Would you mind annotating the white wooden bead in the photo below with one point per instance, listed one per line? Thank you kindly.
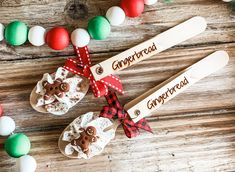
(1, 31)
(227, 0)
(150, 2)
(115, 16)
(26, 163)
(7, 125)
(36, 35)
(80, 37)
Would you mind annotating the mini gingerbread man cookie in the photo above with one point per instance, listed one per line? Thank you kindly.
(58, 88)
(86, 137)
(90, 130)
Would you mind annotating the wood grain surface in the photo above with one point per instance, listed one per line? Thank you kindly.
(193, 132)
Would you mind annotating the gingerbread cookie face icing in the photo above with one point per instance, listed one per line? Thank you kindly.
(58, 92)
(85, 136)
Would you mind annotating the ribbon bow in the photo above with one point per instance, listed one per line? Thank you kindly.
(81, 66)
(115, 110)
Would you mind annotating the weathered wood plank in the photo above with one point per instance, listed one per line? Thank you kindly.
(193, 132)
(214, 133)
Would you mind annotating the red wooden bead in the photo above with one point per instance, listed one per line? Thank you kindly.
(1, 110)
(132, 8)
(57, 38)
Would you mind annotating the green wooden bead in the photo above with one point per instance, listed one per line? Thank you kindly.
(168, 1)
(16, 33)
(99, 28)
(233, 5)
(17, 145)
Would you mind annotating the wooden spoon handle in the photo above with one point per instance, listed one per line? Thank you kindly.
(159, 95)
(157, 44)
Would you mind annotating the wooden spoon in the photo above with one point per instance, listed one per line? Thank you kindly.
(138, 108)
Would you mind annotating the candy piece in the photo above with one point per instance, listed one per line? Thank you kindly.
(1, 31)
(7, 125)
(57, 38)
(132, 8)
(150, 2)
(36, 35)
(16, 33)
(115, 15)
(26, 163)
(99, 28)
(17, 145)
(80, 37)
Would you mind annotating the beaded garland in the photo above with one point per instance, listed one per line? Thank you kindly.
(16, 145)
(17, 33)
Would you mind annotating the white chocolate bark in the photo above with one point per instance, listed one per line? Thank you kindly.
(84, 121)
(56, 105)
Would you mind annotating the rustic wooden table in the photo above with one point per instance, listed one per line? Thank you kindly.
(193, 132)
